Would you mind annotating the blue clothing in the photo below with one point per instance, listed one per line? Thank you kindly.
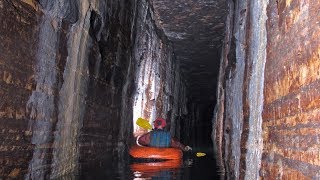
(160, 138)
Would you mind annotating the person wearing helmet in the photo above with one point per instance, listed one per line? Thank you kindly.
(160, 138)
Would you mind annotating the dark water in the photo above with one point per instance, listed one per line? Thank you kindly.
(190, 167)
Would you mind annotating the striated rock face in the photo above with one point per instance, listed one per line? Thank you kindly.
(237, 122)
(70, 72)
(160, 92)
(291, 93)
(266, 119)
(18, 37)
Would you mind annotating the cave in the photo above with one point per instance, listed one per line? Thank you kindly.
(237, 80)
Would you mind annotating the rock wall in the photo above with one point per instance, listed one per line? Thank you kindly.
(72, 73)
(18, 35)
(265, 123)
(291, 93)
(160, 91)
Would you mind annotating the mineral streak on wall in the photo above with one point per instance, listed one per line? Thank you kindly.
(239, 101)
(275, 117)
(158, 82)
(60, 86)
(73, 89)
(219, 121)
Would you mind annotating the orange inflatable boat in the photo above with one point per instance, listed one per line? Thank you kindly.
(155, 153)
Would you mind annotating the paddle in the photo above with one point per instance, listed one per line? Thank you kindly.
(146, 125)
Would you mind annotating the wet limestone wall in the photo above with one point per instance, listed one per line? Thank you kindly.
(291, 93)
(266, 118)
(69, 76)
(18, 31)
(107, 124)
(160, 91)
(49, 65)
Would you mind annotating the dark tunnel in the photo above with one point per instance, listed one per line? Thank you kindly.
(237, 81)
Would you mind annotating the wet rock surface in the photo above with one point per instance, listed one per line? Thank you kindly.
(160, 90)
(74, 75)
(18, 31)
(291, 103)
(69, 79)
(268, 129)
(65, 88)
(196, 29)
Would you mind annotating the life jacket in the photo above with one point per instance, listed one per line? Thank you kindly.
(160, 138)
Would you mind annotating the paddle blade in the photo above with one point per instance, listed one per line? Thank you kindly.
(144, 123)
(200, 154)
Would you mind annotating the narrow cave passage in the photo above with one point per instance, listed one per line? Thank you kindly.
(236, 79)
(77, 74)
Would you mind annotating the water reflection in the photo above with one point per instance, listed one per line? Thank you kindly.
(155, 170)
(188, 168)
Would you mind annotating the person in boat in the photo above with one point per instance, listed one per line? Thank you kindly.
(160, 138)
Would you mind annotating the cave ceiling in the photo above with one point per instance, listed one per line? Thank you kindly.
(196, 30)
